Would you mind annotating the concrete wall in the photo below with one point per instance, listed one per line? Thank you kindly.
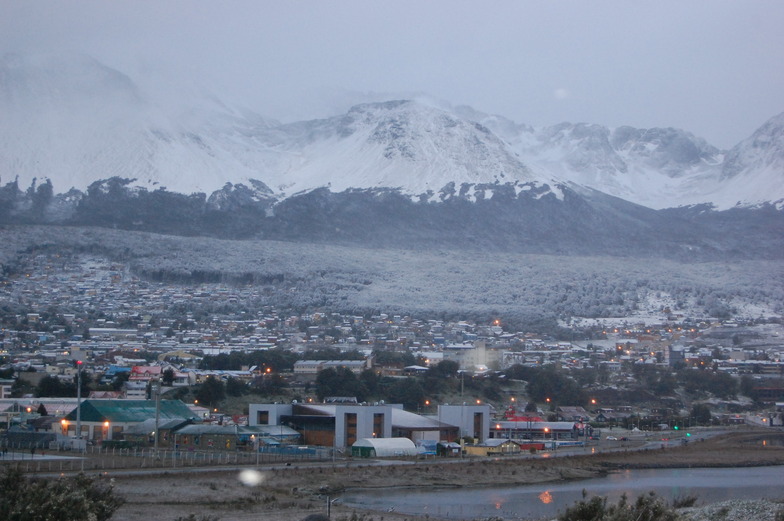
(464, 416)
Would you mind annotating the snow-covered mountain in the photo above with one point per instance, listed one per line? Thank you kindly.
(404, 145)
(755, 167)
(658, 167)
(74, 121)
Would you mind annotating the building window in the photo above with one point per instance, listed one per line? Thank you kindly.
(351, 428)
(262, 418)
(478, 426)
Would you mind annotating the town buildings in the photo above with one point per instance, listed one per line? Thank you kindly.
(130, 333)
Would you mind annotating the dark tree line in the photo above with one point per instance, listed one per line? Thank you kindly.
(63, 499)
(52, 386)
(276, 359)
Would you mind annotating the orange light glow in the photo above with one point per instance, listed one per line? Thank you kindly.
(545, 497)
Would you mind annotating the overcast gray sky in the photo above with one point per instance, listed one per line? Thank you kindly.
(715, 68)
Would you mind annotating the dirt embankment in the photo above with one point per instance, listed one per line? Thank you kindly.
(292, 493)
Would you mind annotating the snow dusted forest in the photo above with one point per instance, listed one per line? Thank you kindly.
(523, 288)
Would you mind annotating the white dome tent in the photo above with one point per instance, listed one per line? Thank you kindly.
(383, 447)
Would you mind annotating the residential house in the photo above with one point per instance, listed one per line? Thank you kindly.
(493, 447)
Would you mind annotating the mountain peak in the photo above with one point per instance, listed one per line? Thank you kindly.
(764, 148)
(403, 144)
(74, 121)
(753, 170)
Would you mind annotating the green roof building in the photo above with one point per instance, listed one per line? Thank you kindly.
(106, 419)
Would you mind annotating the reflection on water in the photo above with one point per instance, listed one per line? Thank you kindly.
(537, 501)
(545, 497)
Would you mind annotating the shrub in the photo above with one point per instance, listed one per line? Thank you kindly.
(65, 499)
(684, 502)
(647, 507)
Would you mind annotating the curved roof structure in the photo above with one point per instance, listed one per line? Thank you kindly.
(384, 447)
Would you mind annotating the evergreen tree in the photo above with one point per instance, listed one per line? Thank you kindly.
(339, 382)
(211, 391)
(235, 387)
(444, 369)
(168, 377)
(408, 392)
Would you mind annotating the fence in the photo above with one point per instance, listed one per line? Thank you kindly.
(107, 458)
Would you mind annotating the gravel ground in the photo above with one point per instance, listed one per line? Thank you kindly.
(736, 510)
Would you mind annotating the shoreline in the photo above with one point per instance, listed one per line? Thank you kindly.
(291, 493)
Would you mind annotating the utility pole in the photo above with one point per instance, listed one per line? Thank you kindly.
(157, 412)
(79, 403)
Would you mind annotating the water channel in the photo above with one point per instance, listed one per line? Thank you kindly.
(547, 500)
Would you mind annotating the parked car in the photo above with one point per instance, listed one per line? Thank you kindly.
(612, 438)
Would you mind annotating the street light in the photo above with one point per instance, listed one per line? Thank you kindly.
(255, 442)
(79, 403)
